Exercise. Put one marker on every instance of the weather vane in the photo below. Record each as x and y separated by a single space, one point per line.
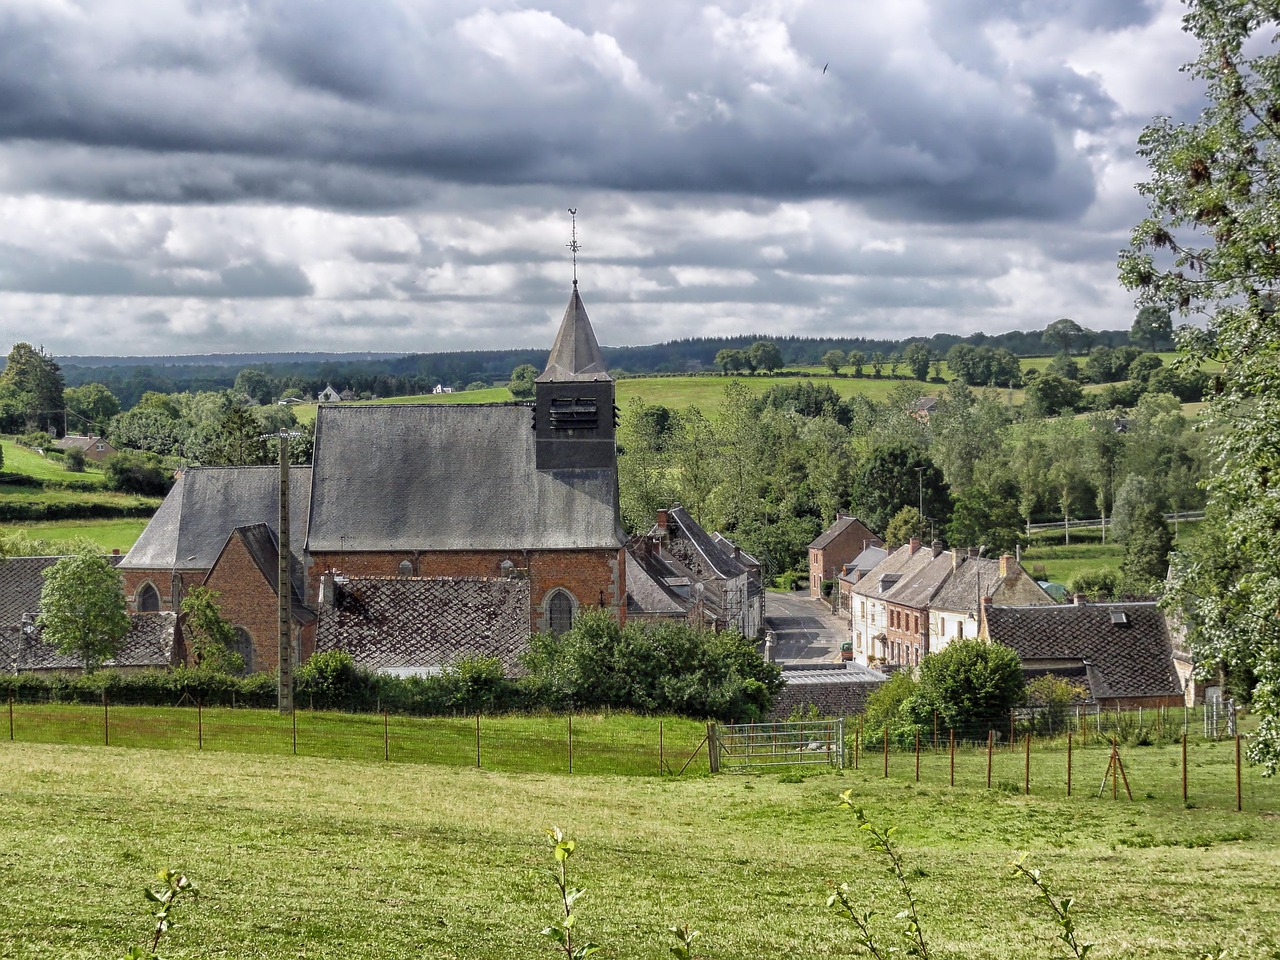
573 242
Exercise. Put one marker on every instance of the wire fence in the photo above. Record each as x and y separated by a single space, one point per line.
587 743
1104 756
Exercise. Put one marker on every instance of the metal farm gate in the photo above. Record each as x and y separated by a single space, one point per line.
743 746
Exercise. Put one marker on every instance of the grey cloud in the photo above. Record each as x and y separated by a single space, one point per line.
365 107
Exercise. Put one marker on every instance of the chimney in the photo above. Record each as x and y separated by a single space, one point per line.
115 551
936 546
326 590
737 552
973 553
955 559
662 522
1006 564
1080 599
913 546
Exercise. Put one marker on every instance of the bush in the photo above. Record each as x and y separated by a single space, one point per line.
73 460
885 710
135 471
1100 584
37 440
972 685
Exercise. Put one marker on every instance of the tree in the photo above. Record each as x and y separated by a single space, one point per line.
255 384
972 684
917 357
211 640
1153 326
644 468
1062 334
856 359
522 378
728 359
1212 193
896 476
82 609
91 406
136 471
833 360
877 363
906 523
1144 366
1146 551
241 440
1049 395
765 356
1063 366
32 389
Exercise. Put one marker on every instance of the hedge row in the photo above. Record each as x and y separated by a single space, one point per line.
30 509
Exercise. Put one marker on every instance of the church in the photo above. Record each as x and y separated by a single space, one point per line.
420 533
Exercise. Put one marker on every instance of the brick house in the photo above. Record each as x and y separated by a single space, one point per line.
421 491
94 448
837 545
1120 654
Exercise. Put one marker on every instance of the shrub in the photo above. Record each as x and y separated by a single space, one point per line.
885 710
136 471
972 685
37 440
73 460
1102 583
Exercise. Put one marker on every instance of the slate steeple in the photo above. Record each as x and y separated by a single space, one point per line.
574 410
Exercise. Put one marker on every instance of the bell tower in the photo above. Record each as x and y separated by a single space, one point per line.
574 415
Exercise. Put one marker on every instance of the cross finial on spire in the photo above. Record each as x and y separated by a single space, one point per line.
573 242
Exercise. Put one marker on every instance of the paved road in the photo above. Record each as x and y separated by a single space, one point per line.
804 629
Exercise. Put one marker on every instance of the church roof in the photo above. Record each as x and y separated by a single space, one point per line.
206 504
575 355
263 547
449 477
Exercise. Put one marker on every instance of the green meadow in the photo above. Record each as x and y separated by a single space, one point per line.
314 857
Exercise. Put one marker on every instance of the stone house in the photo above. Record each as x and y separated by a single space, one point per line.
727 589
836 546
955 609
329 395
1120 654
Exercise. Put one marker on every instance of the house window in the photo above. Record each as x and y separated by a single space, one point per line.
244 647
100 447
560 613
148 599
406 568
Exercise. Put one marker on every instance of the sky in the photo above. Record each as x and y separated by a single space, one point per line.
340 175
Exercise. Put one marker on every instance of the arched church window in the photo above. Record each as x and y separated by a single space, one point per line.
406 568
560 613
148 599
244 647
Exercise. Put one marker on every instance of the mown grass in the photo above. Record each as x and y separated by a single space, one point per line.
305 856
27 462
108 534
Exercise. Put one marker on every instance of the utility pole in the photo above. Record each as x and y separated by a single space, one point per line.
284 587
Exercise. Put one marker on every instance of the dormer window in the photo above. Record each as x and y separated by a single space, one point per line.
574 413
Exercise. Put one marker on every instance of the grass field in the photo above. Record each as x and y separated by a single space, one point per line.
108 534
29 463
305 856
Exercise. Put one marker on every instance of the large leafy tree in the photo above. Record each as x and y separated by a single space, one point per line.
82 609
91 407
1210 248
971 685
31 389
897 476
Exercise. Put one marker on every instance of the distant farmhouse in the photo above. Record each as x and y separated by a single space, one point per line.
94 448
421 533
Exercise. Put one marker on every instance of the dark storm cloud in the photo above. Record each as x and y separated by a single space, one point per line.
364 106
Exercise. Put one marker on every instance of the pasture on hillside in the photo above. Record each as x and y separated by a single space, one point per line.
303 856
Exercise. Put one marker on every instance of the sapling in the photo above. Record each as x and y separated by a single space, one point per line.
166 899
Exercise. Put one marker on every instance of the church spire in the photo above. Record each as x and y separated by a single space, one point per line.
575 355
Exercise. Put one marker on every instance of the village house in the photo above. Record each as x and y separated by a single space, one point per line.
93 447
955 608
1120 655
834 547
329 395
870 623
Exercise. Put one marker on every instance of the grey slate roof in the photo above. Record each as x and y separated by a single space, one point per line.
719 558
575 355
152 641
207 503
897 568
21 580
426 624
975 577
650 587
863 563
922 579
449 477
1131 660
264 549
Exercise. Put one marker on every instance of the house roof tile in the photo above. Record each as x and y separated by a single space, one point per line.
842 524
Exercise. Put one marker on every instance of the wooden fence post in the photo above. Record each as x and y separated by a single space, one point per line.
713 749
886 751
386 736
477 740
918 750
1184 764
952 735
106 722
857 744
1027 788
662 759
10 716
991 745
1068 763
570 716
1239 795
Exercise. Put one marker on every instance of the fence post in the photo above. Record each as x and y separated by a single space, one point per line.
991 745
713 749
570 716
477 740
1239 796
1027 789
886 751
918 749
935 733
1184 765
10 716
106 722
1068 763
662 759
199 726
857 744
386 736
840 734
293 723
952 735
